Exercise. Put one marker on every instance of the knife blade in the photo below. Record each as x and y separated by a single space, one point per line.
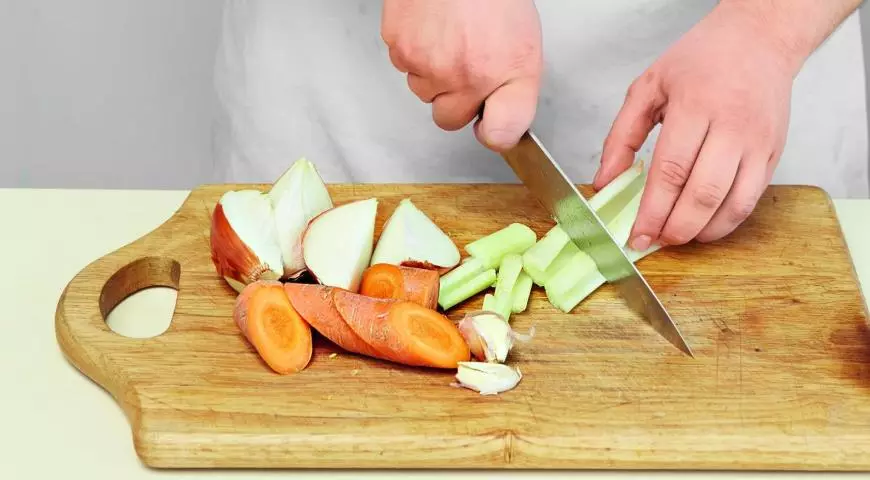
548 183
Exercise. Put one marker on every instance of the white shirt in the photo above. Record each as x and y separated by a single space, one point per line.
313 79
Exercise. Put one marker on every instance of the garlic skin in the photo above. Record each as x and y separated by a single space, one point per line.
243 239
488 335
297 196
487 378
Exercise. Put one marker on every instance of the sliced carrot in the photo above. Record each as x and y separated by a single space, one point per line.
316 306
402 331
270 323
418 285
383 280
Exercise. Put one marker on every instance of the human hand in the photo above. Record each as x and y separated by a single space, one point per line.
722 94
459 55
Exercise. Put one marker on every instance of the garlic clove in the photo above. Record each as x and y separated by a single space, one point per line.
487 378
297 196
243 239
488 335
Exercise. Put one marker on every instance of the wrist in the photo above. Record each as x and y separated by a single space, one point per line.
791 29
774 27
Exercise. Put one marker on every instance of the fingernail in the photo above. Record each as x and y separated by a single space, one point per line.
501 138
641 242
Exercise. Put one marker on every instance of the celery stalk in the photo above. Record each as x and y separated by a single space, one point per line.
565 299
612 199
508 271
581 264
514 238
569 275
464 272
463 291
540 277
620 226
539 256
489 303
616 204
522 292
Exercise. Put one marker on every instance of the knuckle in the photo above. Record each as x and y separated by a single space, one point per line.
674 236
642 85
674 171
708 195
740 211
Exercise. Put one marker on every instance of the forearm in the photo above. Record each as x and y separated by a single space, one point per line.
795 27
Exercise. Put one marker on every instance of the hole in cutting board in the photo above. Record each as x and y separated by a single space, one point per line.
138 301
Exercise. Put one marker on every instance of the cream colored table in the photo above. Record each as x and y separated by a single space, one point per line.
55 423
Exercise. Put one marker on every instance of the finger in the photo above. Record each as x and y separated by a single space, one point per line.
635 119
752 178
508 113
397 61
673 157
454 110
424 88
708 185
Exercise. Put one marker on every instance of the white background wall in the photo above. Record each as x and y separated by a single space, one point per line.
112 93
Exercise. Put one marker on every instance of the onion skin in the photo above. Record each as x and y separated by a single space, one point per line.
232 259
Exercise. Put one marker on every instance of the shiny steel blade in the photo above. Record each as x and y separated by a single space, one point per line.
548 183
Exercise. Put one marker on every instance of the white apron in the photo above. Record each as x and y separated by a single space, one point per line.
313 78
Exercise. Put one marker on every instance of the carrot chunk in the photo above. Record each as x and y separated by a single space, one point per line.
412 284
273 327
316 306
402 331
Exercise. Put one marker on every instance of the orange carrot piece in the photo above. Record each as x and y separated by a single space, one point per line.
275 329
412 284
316 306
402 331
383 280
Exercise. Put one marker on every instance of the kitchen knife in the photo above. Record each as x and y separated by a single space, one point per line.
540 173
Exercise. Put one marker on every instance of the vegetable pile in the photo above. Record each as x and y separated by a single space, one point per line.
387 298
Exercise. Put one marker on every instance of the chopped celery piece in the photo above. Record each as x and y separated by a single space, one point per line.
612 199
489 303
460 275
587 282
514 238
521 293
540 277
539 256
620 227
577 267
463 291
621 197
508 271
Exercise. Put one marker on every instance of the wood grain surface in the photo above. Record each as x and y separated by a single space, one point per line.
774 314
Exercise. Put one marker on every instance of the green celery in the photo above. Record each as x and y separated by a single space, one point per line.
463 291
460 275
514 238
508 271
566 297
522 292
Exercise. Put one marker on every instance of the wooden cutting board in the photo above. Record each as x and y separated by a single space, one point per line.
781 378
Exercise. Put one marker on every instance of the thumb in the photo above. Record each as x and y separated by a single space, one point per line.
507 113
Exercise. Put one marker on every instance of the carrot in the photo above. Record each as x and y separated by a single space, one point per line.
412 284
402 331
316 306
270 323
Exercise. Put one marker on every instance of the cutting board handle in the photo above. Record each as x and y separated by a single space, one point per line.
84 337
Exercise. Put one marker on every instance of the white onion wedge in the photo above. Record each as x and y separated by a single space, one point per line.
297 196
337 245
411 238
